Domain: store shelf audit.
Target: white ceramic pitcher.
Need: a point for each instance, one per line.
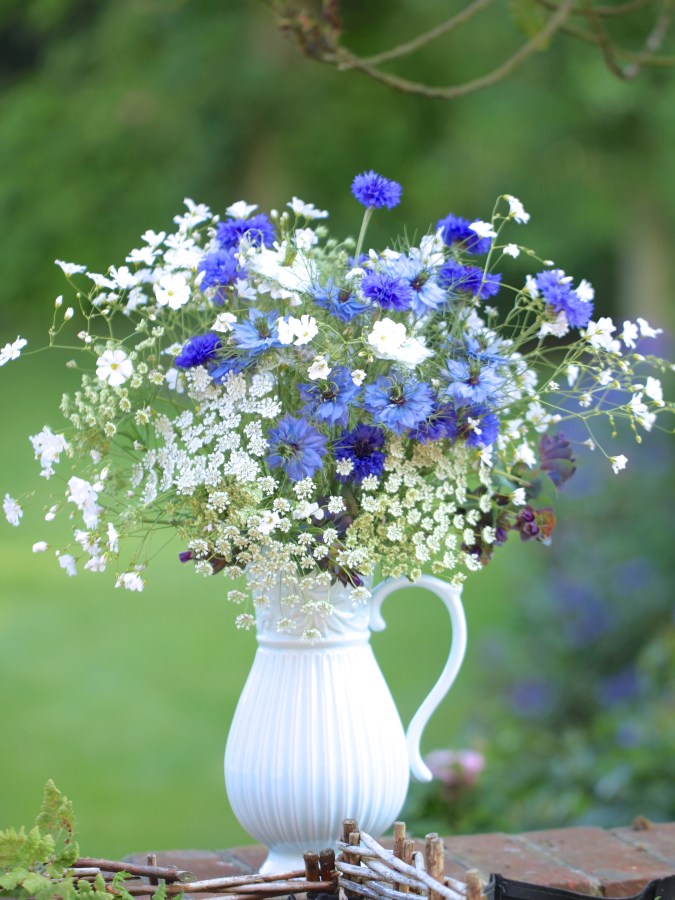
(316, 736)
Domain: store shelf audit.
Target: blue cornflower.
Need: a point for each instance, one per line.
(387, 291)
(259, 333)
(340, 302)
(455, 230)
(220, 269)
(477, 425)
(372, 189)
(364, 446)
(472, 383)
(557, 291)
(198, 350)
(427, 295)
(329, 399)
(231, 365)
(470, 279)
(442, 423)
(258, 230)
(398, 405)
(295, 447)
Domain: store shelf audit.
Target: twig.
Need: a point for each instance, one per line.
(168, 873)
(347, 60)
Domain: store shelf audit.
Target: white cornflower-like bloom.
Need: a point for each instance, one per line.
(172, 290)
(618, 463)
(48, 448)
(318, 369)
(69, 268)
(12, 351)
(67, 563)
(511, 250)
(12, 510)
(115, 367)
(241, 209)
(483, 229)
(131, 581)
(516, 209)
(358, 377)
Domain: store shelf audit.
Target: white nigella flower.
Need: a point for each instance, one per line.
(306, 210)
(319, 369)
(172, 290)
(511, 250)
(69, 268)
(358, 377)
(12, 510)
(618, 463)
(241, 209)
(306, 510)
(114, 366)
(516, 209)
(297, 331)
(12, 351)
(483, 229)
(132, 581)
(387, 336)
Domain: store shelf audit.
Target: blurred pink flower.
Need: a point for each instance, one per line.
(456, 767)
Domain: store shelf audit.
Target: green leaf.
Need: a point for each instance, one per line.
(56, 818)
(12, 879)
(528, 17)
(20, 849)
(38, 885)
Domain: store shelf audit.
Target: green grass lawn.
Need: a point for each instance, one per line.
(125, 699)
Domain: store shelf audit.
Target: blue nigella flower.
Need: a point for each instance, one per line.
(469, 279)
(387, 291)
(372, 189)
(329, 399)
(364, 446)
(259, 333)
(258, 230)
(221, 270)
(398, 405)
(473, 383)
(455, 230)
(427, 295)
(231, 365)
(484, 350)
(198, 350)
(556, 289)
(295, 447)
(477, 425)
(340, 302)
(442, 423)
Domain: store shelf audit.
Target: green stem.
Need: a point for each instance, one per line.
(364, 227)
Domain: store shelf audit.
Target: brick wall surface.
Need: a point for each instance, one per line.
(615, 863)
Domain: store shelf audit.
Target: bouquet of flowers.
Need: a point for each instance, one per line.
(296, 408)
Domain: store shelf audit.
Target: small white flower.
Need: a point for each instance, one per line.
(12, 510)
(387, 336)
(70, 268)
(305, 239)
(268, 522)
(113, 538)
(245, 621)
(654, 390)
(531, 287)
(153, 239)
(319, 369)
(68, 314)
(12, 351)
(629, 335)
(172, 290)
(599, 334)
(306, 510)
(305, 329)
(590, 443)
(175, 380)
(48, 448)
(483, 229)
(67, 563)
(306, 210)
(618, 463)
(40, 546)
(511, 250)
(646, 329)
(518, 497)
(224, 322)
(241, 209)
(525, 454)
(572, 374)
(115, 367)
(132, 581)
(358, 377)
(516, 209)
(50, 515)
(285, 331)
(585, 291)
(344, 466)
(58, 303)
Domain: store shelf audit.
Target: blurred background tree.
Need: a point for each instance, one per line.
(111, 113)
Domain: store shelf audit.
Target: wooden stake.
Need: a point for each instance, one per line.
(474, 885)
(435, 864)
(399, 850)
(327, 864)
(152, 861)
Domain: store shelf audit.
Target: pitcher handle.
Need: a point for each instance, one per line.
(451, 597)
